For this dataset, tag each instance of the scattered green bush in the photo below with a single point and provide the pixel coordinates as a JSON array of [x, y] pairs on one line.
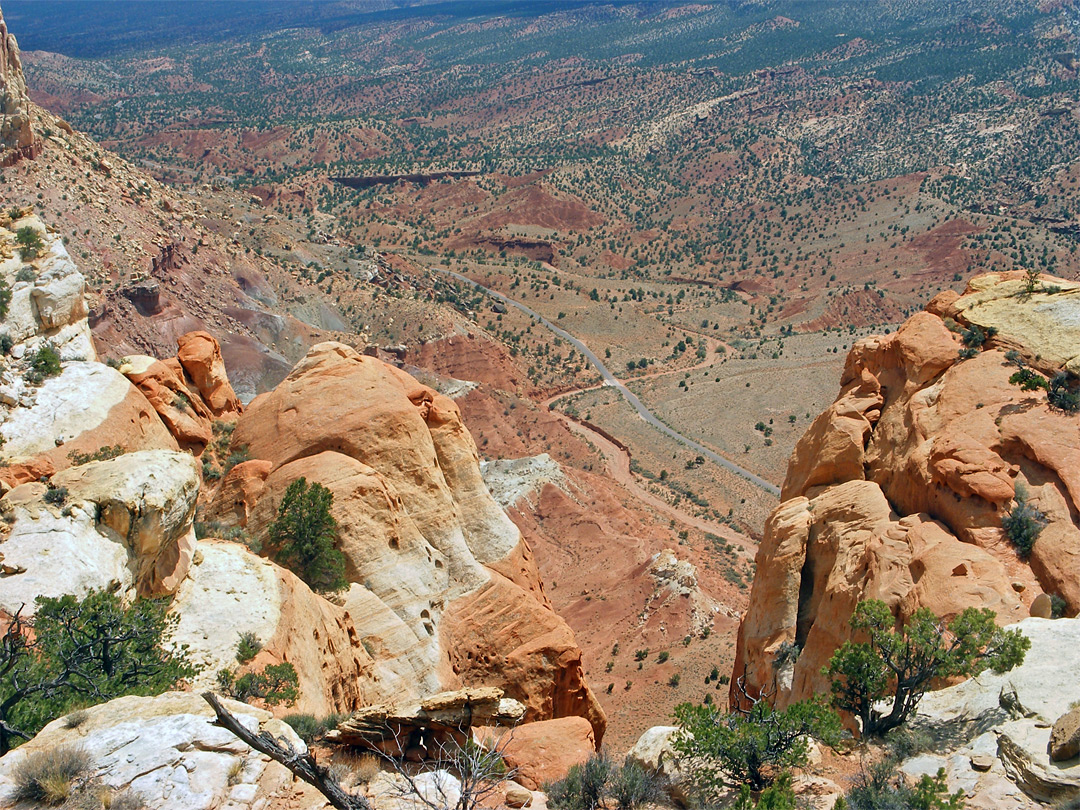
[[879, 788], [50, 775], [974, 337], [780, 795], [632, 786], [273, 684], [1028, 380], [237, 456], [25, 274], [310, 728], [76, 718], [1023, 524], [751, 747], [101, 454], [56, 495], [304, 535], [6, 343], [585, 785], [44, 363], [248, 647], [1058, 606], [5, 298], [1061, 396]]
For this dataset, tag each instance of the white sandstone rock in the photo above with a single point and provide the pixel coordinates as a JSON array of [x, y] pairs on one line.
[[77, 400], [228, 592], [168, 751], [52, 551], [146, 500]]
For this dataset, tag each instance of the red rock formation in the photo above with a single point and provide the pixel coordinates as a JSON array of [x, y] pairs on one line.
[[897, 490], [422, 536], [544, 752], [187, 417], [200, 355]]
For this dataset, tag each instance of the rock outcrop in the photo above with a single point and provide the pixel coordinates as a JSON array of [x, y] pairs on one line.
[[17, 138], [1000, 725], [422, 536], [543, 752], [47, 423], [230, 591], [199, 354], [419, 729], [121, 523], [654, 753], [897, 491]]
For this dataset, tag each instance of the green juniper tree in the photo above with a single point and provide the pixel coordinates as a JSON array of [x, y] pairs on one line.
[[304, 535], [899, 665], [87, 650]]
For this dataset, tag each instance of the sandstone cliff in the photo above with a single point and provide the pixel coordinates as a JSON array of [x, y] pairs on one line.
[[423, 538], [898, 489], [17, 138]]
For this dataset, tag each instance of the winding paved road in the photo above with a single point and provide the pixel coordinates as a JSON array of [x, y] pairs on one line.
[[613, 381]]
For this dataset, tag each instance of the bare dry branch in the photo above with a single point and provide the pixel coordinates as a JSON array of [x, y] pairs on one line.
[[302, 765]]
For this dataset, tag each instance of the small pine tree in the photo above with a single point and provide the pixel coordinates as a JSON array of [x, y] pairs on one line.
[[304, 535], [29, 241]]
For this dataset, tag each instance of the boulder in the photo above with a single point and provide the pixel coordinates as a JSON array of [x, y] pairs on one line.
[[517, 796], [1065, 736], [392, 791], [1041, 607], [654, 753], [1022, 749], [200, 355], [543, 752], [59, 295], [55, 550], [816, 792], [384, 550], [1008, 715], [144, 501], [167, 751]]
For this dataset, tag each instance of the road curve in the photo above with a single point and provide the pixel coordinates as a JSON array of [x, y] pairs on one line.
[[613, 381]]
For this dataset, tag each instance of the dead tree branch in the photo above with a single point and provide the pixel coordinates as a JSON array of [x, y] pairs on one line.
[[302, 765]]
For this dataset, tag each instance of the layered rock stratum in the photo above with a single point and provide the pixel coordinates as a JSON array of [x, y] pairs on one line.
[[897, 491]]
